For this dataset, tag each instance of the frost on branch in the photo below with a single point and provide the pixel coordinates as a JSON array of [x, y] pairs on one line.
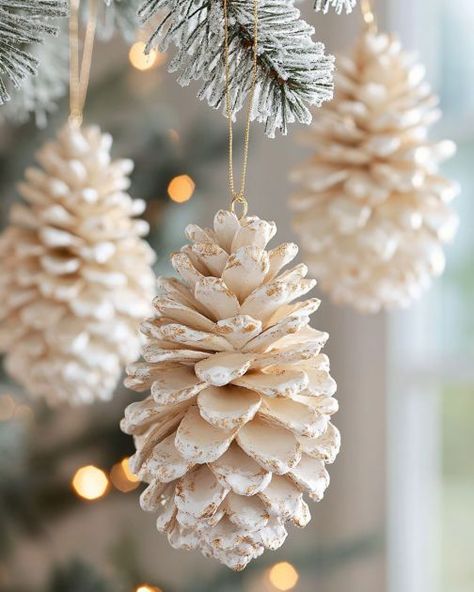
[[23, 23], [39, 94], [339, 5], [293, 70], [118, 16]]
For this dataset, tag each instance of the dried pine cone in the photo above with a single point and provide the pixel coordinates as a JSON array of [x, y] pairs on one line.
[[373, 212], [75, 276], [236, 427]]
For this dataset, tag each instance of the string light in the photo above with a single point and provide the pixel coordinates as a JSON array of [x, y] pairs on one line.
[[90, 483], [283, 576], [142, 61], [181, 188], [122, 477]]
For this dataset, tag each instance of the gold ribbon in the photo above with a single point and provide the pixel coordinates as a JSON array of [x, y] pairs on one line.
[[79, 70]]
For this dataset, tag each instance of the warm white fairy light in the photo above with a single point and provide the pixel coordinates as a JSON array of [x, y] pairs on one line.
[[90, 482], [122, 477], [144, 61], [181, 188], [283, 576]]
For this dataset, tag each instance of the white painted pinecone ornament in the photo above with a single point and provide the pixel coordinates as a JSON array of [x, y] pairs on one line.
[[75, 274], [236, 427], [372, 211]]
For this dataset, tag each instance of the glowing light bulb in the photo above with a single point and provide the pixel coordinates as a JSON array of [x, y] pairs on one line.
[[147, 588], [90, 482], [283, 576], [181, 188], [123, 478], [144, 61]]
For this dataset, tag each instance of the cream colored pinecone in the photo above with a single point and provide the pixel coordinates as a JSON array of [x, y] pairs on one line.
[[75, 276], [373, 213], [236, 427]]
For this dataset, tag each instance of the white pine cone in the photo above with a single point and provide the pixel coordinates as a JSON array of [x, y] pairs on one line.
[[75, 276], [373, 213], [236, 427]]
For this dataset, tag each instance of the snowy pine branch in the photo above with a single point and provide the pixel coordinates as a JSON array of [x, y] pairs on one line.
[[39, 94], [293, 70], [339, 5], [118, 16], [23, 22]]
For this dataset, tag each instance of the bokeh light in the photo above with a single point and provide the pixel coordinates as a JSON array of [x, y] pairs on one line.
[[90, 482], [142, 61], [122, 477], [147, 588], [283, 576], [181, 188]]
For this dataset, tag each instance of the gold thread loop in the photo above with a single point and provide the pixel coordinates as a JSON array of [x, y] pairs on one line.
[[79, 71], [238, 196], [239, 200], [368, 16]]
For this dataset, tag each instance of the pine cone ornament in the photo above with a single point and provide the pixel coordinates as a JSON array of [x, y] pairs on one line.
[[372, 211], [236, 425], [75, 275]]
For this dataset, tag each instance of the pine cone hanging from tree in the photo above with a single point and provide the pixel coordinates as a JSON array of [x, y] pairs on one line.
[[75, 276], [373, 213], [236, 427]]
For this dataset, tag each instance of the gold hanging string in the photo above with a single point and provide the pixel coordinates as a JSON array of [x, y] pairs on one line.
[[79, 70], [368, 16], [238, 197]]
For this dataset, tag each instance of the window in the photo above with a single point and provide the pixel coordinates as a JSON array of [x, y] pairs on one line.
[[431, 533]]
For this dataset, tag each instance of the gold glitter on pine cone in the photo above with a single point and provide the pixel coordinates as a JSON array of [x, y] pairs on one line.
[[236, 425]]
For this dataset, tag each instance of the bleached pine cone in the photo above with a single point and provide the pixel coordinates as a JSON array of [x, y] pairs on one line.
[[75, 276], [236, 427], [373, 213]]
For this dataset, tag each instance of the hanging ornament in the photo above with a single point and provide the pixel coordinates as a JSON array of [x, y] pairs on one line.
[[235, 427], [373, 212], [75, 273]]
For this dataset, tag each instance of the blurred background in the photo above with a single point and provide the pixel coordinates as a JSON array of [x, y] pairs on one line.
[[399, 514]]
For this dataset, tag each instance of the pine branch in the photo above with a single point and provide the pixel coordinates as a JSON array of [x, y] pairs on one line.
[[293, 70], [118, 16], [39, 94], [339, 5], [23, 22]]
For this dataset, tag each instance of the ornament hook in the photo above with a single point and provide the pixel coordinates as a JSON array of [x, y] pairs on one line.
[[240, 201]]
